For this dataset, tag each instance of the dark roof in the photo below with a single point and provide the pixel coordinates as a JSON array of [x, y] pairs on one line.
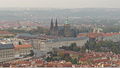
[[67, 39], [6, 46], [29, 36], [25, 35]]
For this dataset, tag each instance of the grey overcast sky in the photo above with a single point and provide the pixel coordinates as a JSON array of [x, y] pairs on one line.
[[60, 3]]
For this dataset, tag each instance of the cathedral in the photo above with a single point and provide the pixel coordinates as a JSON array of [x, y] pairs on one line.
[[54, 28], [64, 31]]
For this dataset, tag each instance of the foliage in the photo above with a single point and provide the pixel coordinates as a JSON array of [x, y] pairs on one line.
[[20, 43], [72, 47], [103, 46], [74, 61], [31, 53]]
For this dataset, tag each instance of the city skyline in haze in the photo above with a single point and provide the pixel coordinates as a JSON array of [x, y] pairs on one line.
[[59, 4]]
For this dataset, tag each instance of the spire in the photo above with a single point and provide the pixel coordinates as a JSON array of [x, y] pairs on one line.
[[52, 25], [56, 28], [56, 24]]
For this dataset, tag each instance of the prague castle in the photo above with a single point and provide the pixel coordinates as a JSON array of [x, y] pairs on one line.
[[64, 30]]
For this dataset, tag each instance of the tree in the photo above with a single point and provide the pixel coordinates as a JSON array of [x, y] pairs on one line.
[[72, 46], [20, 43], [49, 59], [76, 49], [67, 57], [31, 53], [103, 46], [74, 61]]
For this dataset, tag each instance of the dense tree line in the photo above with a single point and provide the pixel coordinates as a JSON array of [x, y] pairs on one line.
[[103, 46], [56, 57], [72, 47]]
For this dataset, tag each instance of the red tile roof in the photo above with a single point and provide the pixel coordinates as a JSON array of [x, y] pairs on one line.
[[84, 59], [94, 35], [22, 46], [101, 60], [107, 65], [5, 32], [39, 62], [23, 62]]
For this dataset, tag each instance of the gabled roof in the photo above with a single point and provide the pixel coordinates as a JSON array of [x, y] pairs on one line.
[[6, 46]]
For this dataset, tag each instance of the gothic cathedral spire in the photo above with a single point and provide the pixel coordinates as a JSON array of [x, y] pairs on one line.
[[56, 25], [51, 25]]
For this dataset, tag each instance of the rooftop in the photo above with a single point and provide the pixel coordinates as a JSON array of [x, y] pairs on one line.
[[6, 46], [5, 32], [22, 46], [94, 35], [67, 39]]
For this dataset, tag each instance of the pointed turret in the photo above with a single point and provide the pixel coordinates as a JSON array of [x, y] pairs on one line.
[[56, 28], [51, 25], [56, 25]]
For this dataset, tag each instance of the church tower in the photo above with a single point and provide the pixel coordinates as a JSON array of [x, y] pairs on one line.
[[56, 24], [51, 25], [67, 28], [56, 27], [51, 30]]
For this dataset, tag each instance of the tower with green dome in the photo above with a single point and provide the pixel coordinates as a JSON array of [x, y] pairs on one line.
[[67, 28], [66, 22]]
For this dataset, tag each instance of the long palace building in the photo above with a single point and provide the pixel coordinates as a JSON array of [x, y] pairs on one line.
[[101, 36]]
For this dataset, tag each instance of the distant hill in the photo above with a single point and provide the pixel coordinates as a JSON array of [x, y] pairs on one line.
[[83, 15]]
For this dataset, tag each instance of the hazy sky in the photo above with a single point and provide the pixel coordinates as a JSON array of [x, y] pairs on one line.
[[61, 3]]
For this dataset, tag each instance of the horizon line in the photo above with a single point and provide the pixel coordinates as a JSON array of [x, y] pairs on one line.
[[55, 8]]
